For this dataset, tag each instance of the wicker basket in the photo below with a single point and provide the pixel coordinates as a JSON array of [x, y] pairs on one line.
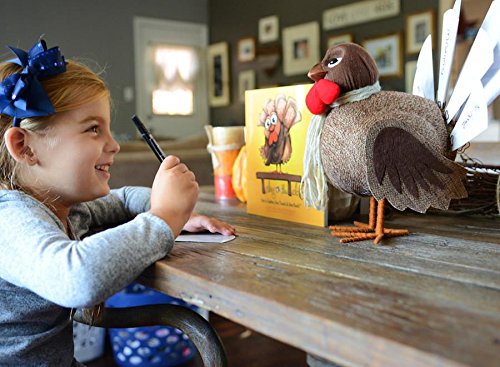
[[483, 187]]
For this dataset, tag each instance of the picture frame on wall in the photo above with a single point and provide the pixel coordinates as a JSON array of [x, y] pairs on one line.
[[268, 29], [246, 49], [246, 81], [338, 39], [418, 27], [388, 54], [300, 48], [359, 12], [218, 74]]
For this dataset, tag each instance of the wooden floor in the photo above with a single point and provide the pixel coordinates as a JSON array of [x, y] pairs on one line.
[[244, 348]]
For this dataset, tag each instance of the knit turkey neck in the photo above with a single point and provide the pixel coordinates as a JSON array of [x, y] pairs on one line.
[[357, 94], [313, 185]]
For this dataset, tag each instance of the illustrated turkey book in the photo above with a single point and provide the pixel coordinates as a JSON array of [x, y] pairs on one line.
[[276, 127]]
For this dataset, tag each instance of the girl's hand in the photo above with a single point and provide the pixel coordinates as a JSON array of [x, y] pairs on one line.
[[174, 193], [198, 223]]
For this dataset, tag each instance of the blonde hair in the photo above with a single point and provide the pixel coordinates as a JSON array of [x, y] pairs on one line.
[[67, 91]]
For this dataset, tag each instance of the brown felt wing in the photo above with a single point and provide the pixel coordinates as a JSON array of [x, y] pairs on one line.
[[409, 173]]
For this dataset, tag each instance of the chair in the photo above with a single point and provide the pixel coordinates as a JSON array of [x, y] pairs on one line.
[[188, 321]]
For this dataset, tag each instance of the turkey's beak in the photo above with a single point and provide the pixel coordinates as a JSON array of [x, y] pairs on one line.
[[316, 73]]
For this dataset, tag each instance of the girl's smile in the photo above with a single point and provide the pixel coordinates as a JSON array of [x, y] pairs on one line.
[[103, 169]]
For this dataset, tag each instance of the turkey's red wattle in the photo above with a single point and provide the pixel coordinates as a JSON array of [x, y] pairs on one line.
[[322, 94], [273, 137]]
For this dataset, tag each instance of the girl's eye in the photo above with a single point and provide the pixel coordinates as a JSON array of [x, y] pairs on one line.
[[334, 61], [94, 129]]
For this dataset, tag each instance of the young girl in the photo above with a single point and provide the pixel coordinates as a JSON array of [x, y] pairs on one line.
[[55, 200]]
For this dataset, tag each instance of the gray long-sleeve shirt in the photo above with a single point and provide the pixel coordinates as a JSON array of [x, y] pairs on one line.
[[44, 273]]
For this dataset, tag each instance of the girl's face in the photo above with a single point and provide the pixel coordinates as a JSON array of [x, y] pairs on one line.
[[74, 157]]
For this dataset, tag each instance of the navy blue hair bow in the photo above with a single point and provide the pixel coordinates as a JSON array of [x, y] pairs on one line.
[[22, 95]]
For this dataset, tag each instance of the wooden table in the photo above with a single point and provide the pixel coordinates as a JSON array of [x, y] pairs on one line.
[[429, 299]]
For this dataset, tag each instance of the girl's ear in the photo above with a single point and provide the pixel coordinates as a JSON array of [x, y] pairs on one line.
[[17, 142]]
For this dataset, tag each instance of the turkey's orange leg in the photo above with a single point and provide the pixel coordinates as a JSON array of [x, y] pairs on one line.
[[382, 232], [371, 218], [374, 230], [339, 231]]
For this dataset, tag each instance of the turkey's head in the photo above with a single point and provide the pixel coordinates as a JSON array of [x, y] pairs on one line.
[[344, 68]]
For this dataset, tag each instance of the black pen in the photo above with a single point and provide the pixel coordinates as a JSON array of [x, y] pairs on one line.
[[149, 138]]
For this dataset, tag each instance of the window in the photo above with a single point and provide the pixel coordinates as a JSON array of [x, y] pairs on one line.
[[175, 70], [171, 80]]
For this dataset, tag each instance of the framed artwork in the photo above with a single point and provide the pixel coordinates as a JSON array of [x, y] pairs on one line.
[[300, 48], [410, 69], [358, 12], [218, 74], [268, 29], [246, 49], [418, 27], [388, 54], [246, 81], [338, 38]]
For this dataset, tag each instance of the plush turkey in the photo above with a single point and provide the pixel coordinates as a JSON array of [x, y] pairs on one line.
[[391, 146], [277, 117]]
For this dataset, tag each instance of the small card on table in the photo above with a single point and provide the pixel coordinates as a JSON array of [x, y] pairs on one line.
[[204, 237]]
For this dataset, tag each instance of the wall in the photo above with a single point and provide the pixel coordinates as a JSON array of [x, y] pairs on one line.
[[101, 31], [231, 20]]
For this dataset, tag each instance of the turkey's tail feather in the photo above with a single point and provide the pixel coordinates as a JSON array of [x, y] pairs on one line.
[[478, 81]]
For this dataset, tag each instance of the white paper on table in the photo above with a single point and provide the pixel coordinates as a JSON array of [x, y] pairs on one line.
[[473, 119], [479, 60], [423, 84], [204, 237], [448, 41]]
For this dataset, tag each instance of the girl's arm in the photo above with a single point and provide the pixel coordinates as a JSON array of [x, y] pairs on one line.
[[38, 255], [119, 206], [124, 204]]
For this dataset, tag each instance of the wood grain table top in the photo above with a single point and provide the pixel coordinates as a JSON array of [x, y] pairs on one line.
[[429, 299]]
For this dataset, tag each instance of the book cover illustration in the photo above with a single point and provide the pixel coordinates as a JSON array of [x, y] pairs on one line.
[[276, 128]]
